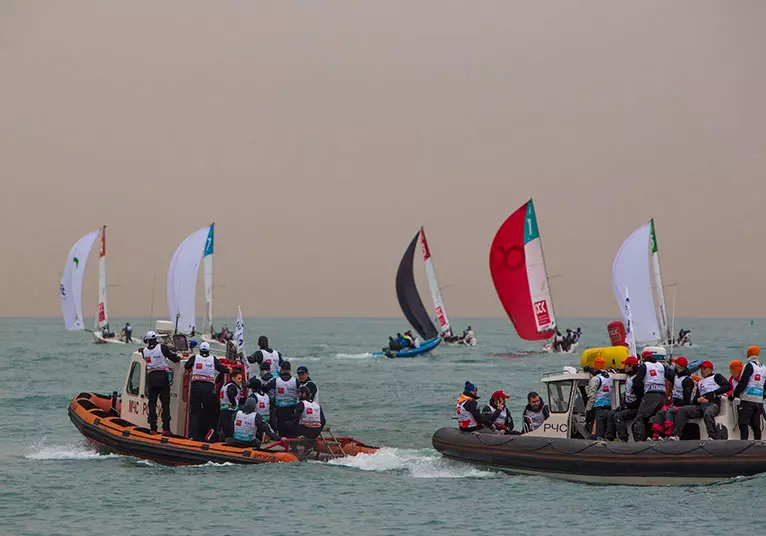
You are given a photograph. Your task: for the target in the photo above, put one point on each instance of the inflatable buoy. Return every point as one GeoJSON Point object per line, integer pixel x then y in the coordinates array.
{"type": "Point", "coordinates": [613, 355]}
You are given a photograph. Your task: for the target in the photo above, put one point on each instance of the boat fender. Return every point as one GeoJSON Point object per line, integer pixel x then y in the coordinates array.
{"type": "Point", "coordinates": [613, 356]}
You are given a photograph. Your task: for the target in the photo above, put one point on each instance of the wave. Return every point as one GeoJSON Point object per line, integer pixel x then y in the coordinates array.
{"type": "Point", "coordinates": [354, 356]}
{"type": "Point", "coordinates": [74, 451]}
{"type": "Point", "coordinates": [425, 463]}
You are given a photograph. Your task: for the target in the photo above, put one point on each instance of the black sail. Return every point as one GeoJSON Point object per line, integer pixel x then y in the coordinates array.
{"type": "Point", "coordinates": [407, 293]}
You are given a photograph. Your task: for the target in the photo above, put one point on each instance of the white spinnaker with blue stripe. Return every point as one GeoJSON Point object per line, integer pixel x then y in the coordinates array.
{"type": "Point", "coordinates": [182, 279]}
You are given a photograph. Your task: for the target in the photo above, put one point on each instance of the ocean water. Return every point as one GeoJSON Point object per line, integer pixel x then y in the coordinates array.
{"type": "Point", "coordinates": [53, 483]}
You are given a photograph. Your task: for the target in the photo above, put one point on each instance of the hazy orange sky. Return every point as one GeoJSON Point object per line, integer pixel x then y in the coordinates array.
{"type": "Point", "coordinates": [320, 135]}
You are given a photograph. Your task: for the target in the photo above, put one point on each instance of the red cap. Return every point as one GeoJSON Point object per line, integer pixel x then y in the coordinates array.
{"type": "Point", "coordinates": [500, 394]}
{"type": "Point", "coordinates": [631, 360]}
{"type": "Point", "coordinates": [646, 353]}
{"type": "Point", "coordinates": [681, 360]}
{"type": "Point", "coordinates": [707, 364]}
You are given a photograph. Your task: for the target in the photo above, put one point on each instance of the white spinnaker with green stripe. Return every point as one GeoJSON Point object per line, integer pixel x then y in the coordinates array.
{"type": "Point", "coordinates": [663, 312]}
{"type": "Point", "coordinates": [537, 274]}
{"type": "Point", "coordinates": [208, 279]}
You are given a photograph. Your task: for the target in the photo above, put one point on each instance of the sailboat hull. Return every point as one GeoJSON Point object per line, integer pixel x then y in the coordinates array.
{"type": "Point", "coordinates": [425, 346]}
{"type": "Point", "coordinates": [100, 339]}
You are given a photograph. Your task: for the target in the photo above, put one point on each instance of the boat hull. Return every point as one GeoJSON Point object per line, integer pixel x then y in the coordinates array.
{"type": "Point", "coordinates": [600, 462]}
{"type": "Point", "coordinates": [425, 346]}
{"type": "Point", "coordinates": [93, 415]}
{"type": "Point", "coordinates": [100, 339]}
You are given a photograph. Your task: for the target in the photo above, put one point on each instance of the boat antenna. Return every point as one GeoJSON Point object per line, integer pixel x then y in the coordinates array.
{"type": "Point", "coordinates": [151, 305]}
{"type": "Point", "coordinates": [673, 322]}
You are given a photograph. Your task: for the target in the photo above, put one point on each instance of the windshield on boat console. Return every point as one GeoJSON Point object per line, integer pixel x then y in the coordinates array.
{"type": "Point", "coordinates": [559, 394]}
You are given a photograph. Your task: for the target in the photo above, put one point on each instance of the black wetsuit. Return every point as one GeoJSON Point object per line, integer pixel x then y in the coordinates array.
{"type": "Point", "coordinates": [203, 404]}
{"type": "Point", "coordinates": [650, 402]}
{"type": "Point", "coordinates": [283, 414]}
{"type": "Point", "coordinates": [311, 385]}
{"type": "Point", "coordinates": [616, 426]}
{"type": "Point", "coordinates": [707, 410]}
{"type": "Point", "coordinates": [158, 386]}
{"type": "Point", "coordinates": [262, 428]}
{"type": "Point", "coordinates": [297, 430]}
{"type": "Point", "coordinates": [226, 416]}
{"type": "Point", "coordinates": [748, 413]}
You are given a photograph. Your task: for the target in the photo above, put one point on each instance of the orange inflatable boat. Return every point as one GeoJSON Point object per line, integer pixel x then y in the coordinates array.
{"type": "Point", "coordinates": [97, 417]}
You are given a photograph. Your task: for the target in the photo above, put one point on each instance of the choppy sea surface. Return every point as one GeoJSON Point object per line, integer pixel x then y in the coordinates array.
{"type": "Point", "coordinates": [53, 483]}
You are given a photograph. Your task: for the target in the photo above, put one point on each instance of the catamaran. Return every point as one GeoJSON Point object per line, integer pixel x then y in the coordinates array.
{"type": "Point", "coordinates": [71, 289]}
{"type": "Point", "coordinates": [636, 272]}
{"type": "Point", "coordinates": [517, 265]}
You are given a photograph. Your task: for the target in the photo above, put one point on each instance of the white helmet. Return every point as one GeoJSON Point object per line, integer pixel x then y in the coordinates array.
{"type": "Point", "coordinates": [204, 347]}
{"type": "Point", "coordinates": [150, 336]}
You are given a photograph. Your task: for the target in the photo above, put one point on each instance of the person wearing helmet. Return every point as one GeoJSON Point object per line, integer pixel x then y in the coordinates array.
{"type": "Point", "coordinates": [599, 393]}
{"type": "Point", "coordinates": [707, 403]}
{"type": "Point", "coordinates": [650, 383]}
{"type": "Point", "coordinates": [285, 398]}
{"type": "Point", "coordinates": [265, 354]}
{"type": "Point", "coordinates": [749, 390]}
{"type": "Point", "coordinates": [203, 406]}
{"type": "Point", "coordinates": [616, 429]}
{"type": "Point", "coordinates": [305, 379]}
{"type": "Point", "coordinates": [249, 427]}
{"type": "Point", "coordinates": [497, 413]}
{"type": "Point", "coordinates": [684, 389]}
{"type": "Point", "coordinates": [229, 400]}
{"type": "Point", "coordinates": [264, 404]}
{"type": "Point", "coordinates": [308, 417]}
{"type": "Point", "coordinates": [158, 379]}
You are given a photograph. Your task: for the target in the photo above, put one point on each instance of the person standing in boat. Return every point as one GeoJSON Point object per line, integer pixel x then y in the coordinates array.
{"type": "Point", "coordinates": [684, 390]}
{"type": "Point", "coordinates": [497, 414]}
{"type": "Point", "coordinates": [599, 394]}
{"type": "Point", "coordinates": [264, 403]}
{"type": "Point", "coordinates": [285, 398]}
{"type": "Point", "coordinates": [650, 382]}
{"type": "Point", "coordinates": [249, 427]}
{"type": "Point", "coordinates": [229, 401]}
{"type": "Point", "coordinates": [469, 418]}
{"type": "Point", "coordinates": [158, 379]}
{"type": "Point", "coordinates": [203, 406]}
{"type": "Point", "coordinates": [735, 373]}
{"type": "Point", "coordinates": [468, 336]}
{"type": "Point", "coordinates": [749, 390]}
{"type": "Point", "coordinates": [308, 417]}
{"type": "Point", "coordinates": [265, 354]}
{"type": "Point", "coordinates": [535, 413]}
{"type": "Point", "coordinates": [305, 379]}
{"type": "Point", "coordinates": [128, 330]}
{"type": "Point", "coordinates": [558, 341]}
{"type": "Point", "coordinates": [710, 388]}
{"type": "Point", "coordinates": [615, 424]}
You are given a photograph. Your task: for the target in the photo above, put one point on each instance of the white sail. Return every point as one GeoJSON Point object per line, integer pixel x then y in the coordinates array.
{"type": "Point", "coordinates": [631, 271]}
{"type": "Point", "coordinates": [71, 282]}
{"type": "Point", "coordinates": [663, 311]}
{"type": "Point", "coordinates": [207, 272]}
{"type": "Point", "coordinates": [102, 319]}
{"type": "Point", "coordinates": [182, 280]}
{"type": "Point", "coordinates": [433, 283]}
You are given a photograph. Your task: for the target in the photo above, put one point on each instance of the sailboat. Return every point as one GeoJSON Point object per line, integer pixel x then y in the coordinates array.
{"type": "Point", "coordinates": [71, 288]}
{"type": "Point", "coordinates": [208, 332]}
{"type": "Point", "coordinates": [636, 271]}
{"type": "Point", "coordinates": [517, 265]}
{"type": "Point", "coordinates": [182, 280]}
{"type": "Point", "coordinates": [413, 308]}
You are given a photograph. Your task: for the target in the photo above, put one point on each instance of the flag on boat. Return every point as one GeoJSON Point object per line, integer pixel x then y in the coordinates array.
{"type": "Point", "coordinates": [239, 335]}
{"type": "Point", "coordinates": [628, 314]}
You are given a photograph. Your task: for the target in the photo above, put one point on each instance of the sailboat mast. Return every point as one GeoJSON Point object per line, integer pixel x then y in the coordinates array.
{"type": "Point", "coordinates": [102, 318]}
{"type": "Point", "coordinates": [663, 314]}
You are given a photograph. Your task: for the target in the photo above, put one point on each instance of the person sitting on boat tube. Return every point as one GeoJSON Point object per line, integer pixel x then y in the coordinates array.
{"type": "Point", "coordinates": [469, 418]}
{"type": "Point", "coordinates": [497, 414]}
{"type": "Point", "coordinates": [616, 429]}
{"type": "Point", "coordinates": [158, 379]}
{"type": "Point", "coordinates": [249, 427]}
{"type": "Point", "coordinates": [308, 417]}
{"type": "Point", "coordinates": [683, 394]}
{"type": "Point", "coordinates": [650, 382]}
{"type": "Point", "coordinates": [599, 393]}
{"type": "Point", "coordinates": [409, 340]}
{"type": "Point", "coordinates": [535, 413]}
{"type": "Point", "coordinates": [710, 389]}
{"type": "Point", "coordinates": [230, 401]}
{"type": "Point", "coordinates": [203, 406]}
{"type": "Point", "coordinates": [750, 392]}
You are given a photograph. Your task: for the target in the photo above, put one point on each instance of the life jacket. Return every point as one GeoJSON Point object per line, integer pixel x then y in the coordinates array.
{"type": "Point", "coordinates": [499, 421]}
{"type": "Point", "coordinates": [244, 426]}
{"type": "Point", "coordinates": [225, 404]}
{"type": "Point", "coordinates": [272, 358]}
{"type": "Point", "coordinates": [630, 396]}
{"type": "Point", "coordinates": [754, 390]}
{"type": "Point", "coordinates": [678, 390]}
{"type": "Point", "coordinates": [707, 385]}
{"type": "Point", "coordinates": [271, 392]}
{"type": "Point", "coordinates": [204, 369]}
{"type": "Point", "coordinates": [654, 381]}
{"type": "Point", "coordinates": [311, 416]}
{"type": "Point", "coordinates": [465, 418]}
{"type": "Point", "coordinates": [604, 393]}
{"type": "Point", "coordinates": [287, 392]}
{"type": "Point", "coordinates": [316, 395]}
{"type": "Point", "coordinates": [537, 418]}
{"type": "Point", "coordinates": [262, 406]}
{"type": "Point", "coordinates": [155, 359]}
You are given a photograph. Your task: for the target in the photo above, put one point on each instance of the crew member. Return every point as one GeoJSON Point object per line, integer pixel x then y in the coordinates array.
{"type": "Point", "coordinates": [684, 389]}
{"type": "Point", "coordinates": [558, 341]}
{"type": "Point", "coordinates": [650, 382]}
{"type": "Point", "coordinates": [158, 379]}
{"type": "Point", "coordinates": [615, 424]}
{"type": "Point", "coordinates": [262, 400]}
{"type": "Point", "coordinates": [304, 379]}
{"type": "Point", "coordinates": [128, 329]}
{"type": "Point", "coordinates": [469, 418]}
{"type": "Point", "coordinates": [497, 414]}
{"type": "Point", "coordinates": [285, 398]}
{"type": "Point", "coordinates": [203, 405]}
{"type": "Point", "coordinates": [408, 342]}
{"type": "Point", "coordinates": [308, 417]}
{"type": "Point", "coordinates": [230, 401]}
{"type": "Point", "coordinates": [750, 392]}
{"type": "Point", "coordinates": [535, 413]}
{"type": "Point", "coordinates": [708, 403]}
{"type": "Point", "coordinates": [576, 336]}
{"type": "Point", "coordinates": [249, 427]}
{"type": "Point", "coordinates": [599, 394]}
{"type": "Point", "coordinates": [735, 373]}
{"type": "Point", "coordinates": [265, 354]}
{"type": "Point", "coordinates": [469, 338]}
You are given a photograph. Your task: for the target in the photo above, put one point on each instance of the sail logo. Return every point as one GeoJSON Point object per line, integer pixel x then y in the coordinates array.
{"type": "Point", "coordinates": [101, 312]}
{"type": "Point", "coordinates": [440, 316]}
{"type": "Point", "coordinates": [510, 261]}
{"type": "Point", "coordinates": [62, 289]}
{"type": "Point", "coordinates": [541, 312]}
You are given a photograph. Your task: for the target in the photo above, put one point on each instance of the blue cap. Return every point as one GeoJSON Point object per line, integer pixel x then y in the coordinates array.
{"type": "Point", "coordinates": [468, 387]}
{"type": "Point", "coordinates": [302, 369]}
{"type": "Point", "coordinates": [192, 343]}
